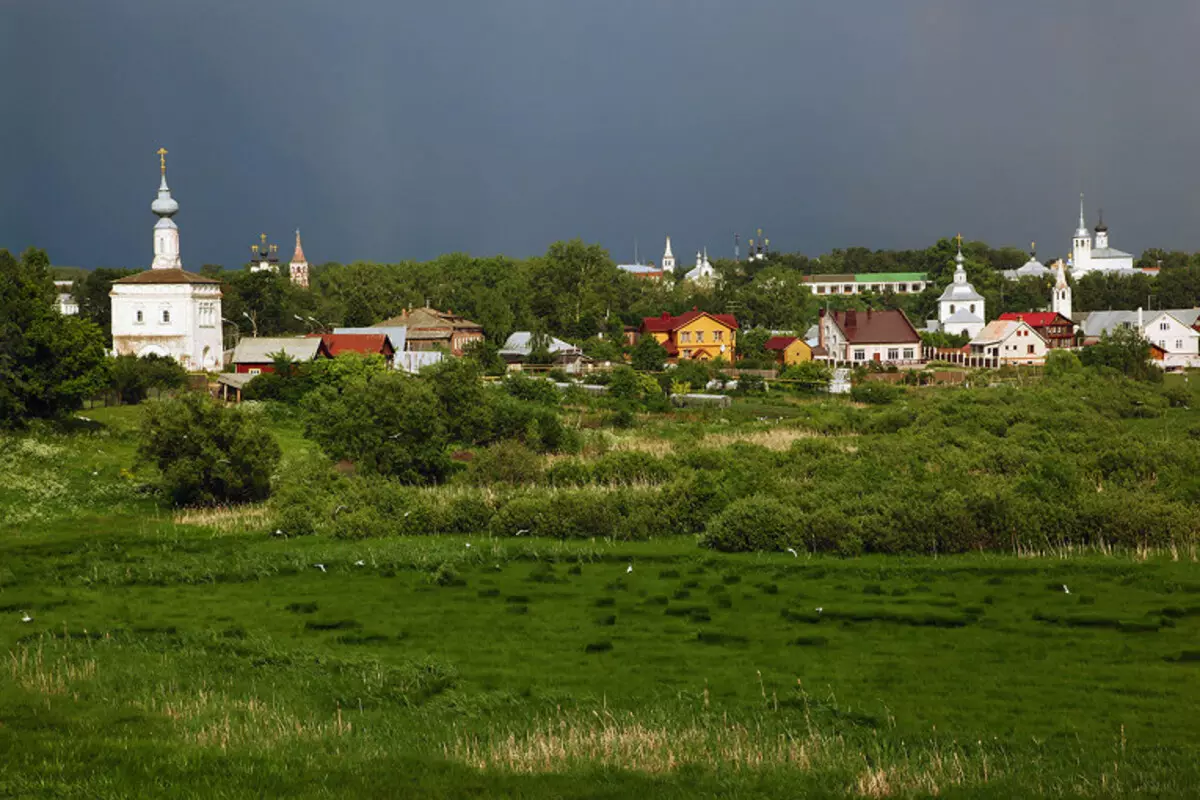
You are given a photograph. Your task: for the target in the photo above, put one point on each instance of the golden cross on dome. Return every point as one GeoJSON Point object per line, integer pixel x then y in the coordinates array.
{"type": "Point", "coordinates": [959, 239]}
{"type": "Point", "coordinates": [162, 159]}
{"type": "Point", "coordinates": [263, 238]}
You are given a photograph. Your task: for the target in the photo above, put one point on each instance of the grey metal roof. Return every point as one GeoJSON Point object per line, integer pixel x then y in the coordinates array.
{"type": "Point", "coordinates": [1033, 267]}
{"type": "Point", "coordinates": [1187, 316]}
{"type": "Point", "coordinates": [960, 293]}
{"type": "Point", "coordinates": [260, 351]}
{"type": "Point", "coordinates": [638, 269]}
{"type": "Point", "coordinates": [519, 344]}
{"type": "Point", "coordinates": [1110, 252]}
{"type": "Point", "coordinates": [1101, 322]}
{"type": "Point", "coordinates": [962, 316]}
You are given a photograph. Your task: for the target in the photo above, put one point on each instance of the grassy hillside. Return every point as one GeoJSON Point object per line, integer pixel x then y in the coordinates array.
{"type": "Point", "coordinates": [196, 654]}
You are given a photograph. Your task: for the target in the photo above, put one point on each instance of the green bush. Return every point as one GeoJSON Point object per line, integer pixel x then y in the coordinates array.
{"type": "Point", "coordinates": [533, 390]}
{"type": "Point", "coordinates": [505, 462]}
{"type": "Point", "coordinates": [754, 523]}
{"type": "Point", "coordinates": [875, 393]}
{"type": "Point", "coordinates": [206, 453]}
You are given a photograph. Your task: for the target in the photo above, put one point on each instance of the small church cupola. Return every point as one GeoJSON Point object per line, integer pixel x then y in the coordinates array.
{"type": "Point", "coordinates": [1101, 232]}
{"type": "Point", "coordinates": [264, 255]}
{"type": "Point", "coordinates": [960, 308]}
{"type": "Point", "coordinates": [166, 232]}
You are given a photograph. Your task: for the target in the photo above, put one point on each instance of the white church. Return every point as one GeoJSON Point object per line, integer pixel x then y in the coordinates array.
{"type": "Point", "coordinates": [165, 310]}
{"type": "Point", "coordinates": [960, 308]}
{"type": "Point", "coordinates": [1093, 254]}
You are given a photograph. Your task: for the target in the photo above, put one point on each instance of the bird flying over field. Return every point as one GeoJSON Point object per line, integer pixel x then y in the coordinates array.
{"type": "Point", "coordinates": [320, 567]}
{"type": "Point", "coordinates": [360, 563]}
{"type": "Point", "coordinates": [793, 552]}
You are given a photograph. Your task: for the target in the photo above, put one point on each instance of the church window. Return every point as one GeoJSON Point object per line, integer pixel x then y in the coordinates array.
{"type": "Point", "coordinates": [166, 315]}
{"type": "Point", "coordinates": [972, 308]}
{"type": "Point", "coordinates": [140, 317]}
{"type": "Point", "coordinates": [951, 308]}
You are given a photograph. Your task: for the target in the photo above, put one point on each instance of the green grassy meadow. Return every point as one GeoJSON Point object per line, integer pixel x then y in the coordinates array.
{"type": "Point", "coordinates": [194, 654]}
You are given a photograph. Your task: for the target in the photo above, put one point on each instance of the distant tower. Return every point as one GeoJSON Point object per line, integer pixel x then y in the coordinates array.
{"type": "Point", "coordinates": [1101, 233]}
{"type": "Point", "coordinates": [1081, 248]}
{"type": "Point", "coordinates": [166, 232]}
{"type": "Point", "coordinates": [298, 268]}
{"type": "Point", "coordinates": [1060, 301]}
{"type": "Point", "coordinates": [668, 259]}
{"type": "Point", "coordinates": [265, 258]}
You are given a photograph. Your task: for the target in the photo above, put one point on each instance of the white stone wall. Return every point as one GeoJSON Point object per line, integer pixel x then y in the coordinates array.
{"type": "Point", "coordinates": [190, 333]}
{"type": "Point", "coordinates": [1181, 342]}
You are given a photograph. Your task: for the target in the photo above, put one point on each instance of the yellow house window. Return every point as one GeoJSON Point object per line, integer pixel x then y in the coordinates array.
{"type": "Point", "coordinates": [685, 337]}
{"type": "Point", "coordinates": [699, 337]}
{"type": "Point", "coordinates": [717, 335]}
{"type": "Point", "coordinates": [687, 353]}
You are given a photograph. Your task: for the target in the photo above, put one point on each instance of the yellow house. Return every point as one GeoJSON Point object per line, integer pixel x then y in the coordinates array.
{"type": "Point", "coordinates": [788, 350]}
{"type": "Point", "coordinates": [695, 334]}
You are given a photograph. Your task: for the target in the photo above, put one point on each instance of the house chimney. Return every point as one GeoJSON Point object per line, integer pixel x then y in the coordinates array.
{"type": "Point", "coordinates": [1141, 324]}
{"type": "Point", "coordinates": [821, 328]}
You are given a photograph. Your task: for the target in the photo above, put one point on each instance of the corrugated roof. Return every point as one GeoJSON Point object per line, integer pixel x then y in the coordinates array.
{"type": "Point", "coordinates": [519, 344]}
{"type": "Point", "coordinates": [396, 335]}
{"type": "Point", "coordinates": [876, 327]}
{"type": "Point", "coordinates": [890, 277]}
{"type": "Point", "coordinates": [778, 342]}
{"type": "Point", "coordinates": [250, 350]}
{"type": "Point", "coordinates": [365, 343]}
{"type": "Point", "coordinates": [1037, 319]}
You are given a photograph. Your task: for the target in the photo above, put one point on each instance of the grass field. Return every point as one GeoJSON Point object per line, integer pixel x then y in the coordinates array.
{"type": "Point", "coordinates": [193, 654]}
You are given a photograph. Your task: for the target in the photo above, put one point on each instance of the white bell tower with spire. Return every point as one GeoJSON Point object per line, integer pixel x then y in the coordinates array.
{"type": "Point", "coordinates": [1081, 245]}
{"type": "Point", "coordinates": [1060, 301]}
{"type": "Point", "coordinates": [166, 232]}
{"type": "Point", "coordinates": [668, 259]}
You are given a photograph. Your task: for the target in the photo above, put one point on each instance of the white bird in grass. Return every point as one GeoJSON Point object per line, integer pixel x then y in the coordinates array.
{"type": "Point", "coordinates": [25, 617]}
{"type": "Point", "coordinates": [820, 609]}
{"type": "Point", "coordinates": [406, 513]}
{"type": "Point", "coordinates": [793, 552]}
{"type": "Point", "coordinates": [360, 563]}
{"type": "Point", "coordinates": [629, 569]}
{"type": "Point", "coordinates": [320, 567]}
{"type": "Point", "coordinates": [1065, 589]}
{"type": "Point", "coordinates": [468, 545]}
{"type": "Point", "coordinates": [522, 530]}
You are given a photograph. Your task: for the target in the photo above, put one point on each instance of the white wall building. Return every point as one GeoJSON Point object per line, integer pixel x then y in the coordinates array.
{"type": "Point", "coordinates": [703, 272]}
{"type": "Point", "coordinates": [1010, 341]}
{"type": "Point", "coordinates": [1095, 255]}
{"type": "Point", "coordinates": [67, 304]}
{"type": "Point", "coordinates": [1180, 343]}
{"type": "Point", "coordinates": [165, 310]}
{"type": "Point", "coordinates": [960, 308]}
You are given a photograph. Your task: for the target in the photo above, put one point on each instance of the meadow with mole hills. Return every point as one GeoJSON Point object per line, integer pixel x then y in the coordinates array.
{"type": "Point", "coordinates": [362, 583]}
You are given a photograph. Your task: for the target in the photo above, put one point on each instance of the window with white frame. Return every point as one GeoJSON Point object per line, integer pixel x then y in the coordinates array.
{"type": "Point", "coordinates": [908, 353]}
{"type": "Point", "coordinates": [860, 355]}
{"type": "Point", "coordinates": [717, 335]}
{"type": "Point", "coordinates": [893, 353]}
{"type": "Point", "coordinates": [1164, 326]}
{"type": "Point", "coordinates": [1179, 344]}
{"type": "Point", "coordinates": [255, 371]}
{"type": "Point", "coordinates": [166, 315]}
{"type": "Point", "coordinates": [685, 336]}
{"type": "Point", "coordinates": [699, 337]}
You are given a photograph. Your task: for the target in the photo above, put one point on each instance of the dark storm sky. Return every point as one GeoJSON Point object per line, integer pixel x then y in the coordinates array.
{"type": "Point", "coordinates": [387, 129]}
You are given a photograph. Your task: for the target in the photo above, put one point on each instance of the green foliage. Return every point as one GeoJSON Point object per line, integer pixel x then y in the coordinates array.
{"type": "Point", "coordinates": [1062, 362]}
{"type": "Point", "coordinates": [534, 390]}
{"type": "Point", "coordinates": [811, 375]}
{"type": "Point", "coordinates": [132, 378]}
{"type": "Point", "coordinates": [876, 393]}
{"type": "Point", "coordinates": [206, 453]}
{"type": "Point", "coordinates": [648, 355]}
{"type": "Point", "coordinates": [486, 356]}
{"type": "Point", "coordinates": [49, 364]}
{"type": "Point", "coordinates": [506, 462]}
{"type": "Point", "coordinates": [754, 523]}
{"type": "Point", "coordinates": [461, 397]}
{"type": "Point", "coordinates": [389, 424]}
{"type": "Point", "coordinates": [1124, 350]}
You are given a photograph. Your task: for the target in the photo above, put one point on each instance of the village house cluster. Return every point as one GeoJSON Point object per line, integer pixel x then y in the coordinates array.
{"type": "Point", "coordinates": [168, 311]}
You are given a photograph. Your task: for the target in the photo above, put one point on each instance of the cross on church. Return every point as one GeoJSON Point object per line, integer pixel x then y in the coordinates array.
{"type": "Point", "coordinates": [959, 239]}
{"type": "Point", "coordinates": [162, 159]}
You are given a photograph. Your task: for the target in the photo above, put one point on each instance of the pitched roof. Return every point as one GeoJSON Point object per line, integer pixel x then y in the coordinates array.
{"type": "Point", "coordinates": [875, 327]}
{"type": "Point", "coordinates": [366, 343]}
{"type": "Point", "coordinates": [418, 318]}
{"type": "Point", "coordinates": [778, 342]}
{"type": "Point", "coordinates": [867, 277]}
{"type": "Point", "coordinates": [521, 344]}
{"type": "Point", "coordinates": [166, 276]}
{"type": "Point", "coordinates": [1000, 329]}
{"type": "Point", "coordinates": [395, 335]}
{"type": "Point", "coordinates": [667, 323]}
{"type": "Point", "coordinates": [251, 350]}
{"type": "Point", "coordinates": [1036, 319]}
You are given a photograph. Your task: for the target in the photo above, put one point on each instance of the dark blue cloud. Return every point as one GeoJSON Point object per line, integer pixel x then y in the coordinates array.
{"type": "Point", "coordinates": [401, 130]}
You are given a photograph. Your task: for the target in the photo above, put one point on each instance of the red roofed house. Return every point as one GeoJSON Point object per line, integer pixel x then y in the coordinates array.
{"type": "Point", "coordinates": [861, 336]}
{"type": "Point", "coordinates": [788, 350]}
{"type": "Point", "coordinates": [694, 334]}
{"type": "Point", "coordinates": [1057, 330]}
{"type": "Point", "coordinates": [363, 343]}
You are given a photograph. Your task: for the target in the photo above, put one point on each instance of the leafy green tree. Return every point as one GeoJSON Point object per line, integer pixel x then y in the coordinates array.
{"type": "Point", "coordinates": [464, 402]}
{"type": "Point", "coordinates": [1125, 350]}
{"type": "Point", "coordinates": [49, 364]}
{"type": "Point", "coordinates": [92, 294]}
{"type": "Point", "coordinates": [648, 355]}
{"type": "Point", "coordinates": [132, 378]}
{"type": "Point", "coordinates": [486, 356]}
{"type": "Point", "coordinates": [207, 453]}
{"type": "Point", "coordinates": [573, 286]}
{"type": "Point", "coordinates": [389, 424]}
{"type": "Point", "coordinates": [1062, 362]}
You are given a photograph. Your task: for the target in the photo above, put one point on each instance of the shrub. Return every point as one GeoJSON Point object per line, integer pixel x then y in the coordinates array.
{"type": "Point", "coordinates": [462, 398]}
{"type": "Point", "coordinates": [206, 453]}
{"type": "Point", "coordinates": [648, 355]}
{"type": "Point", "coordinates": [753, 523]}
{"type": "Point", "coordinates": [389, 425]}
{"type": "Point", "coordinates": [876, 393]}
{"type": "Point", "coordinates": [132, 378]}
{"type": "Point", "coordinates": [505, 462]}
{"type": "Point", "coordinates": [630, 466]}
{"type": "Point", "coordinates": [533, 390]}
